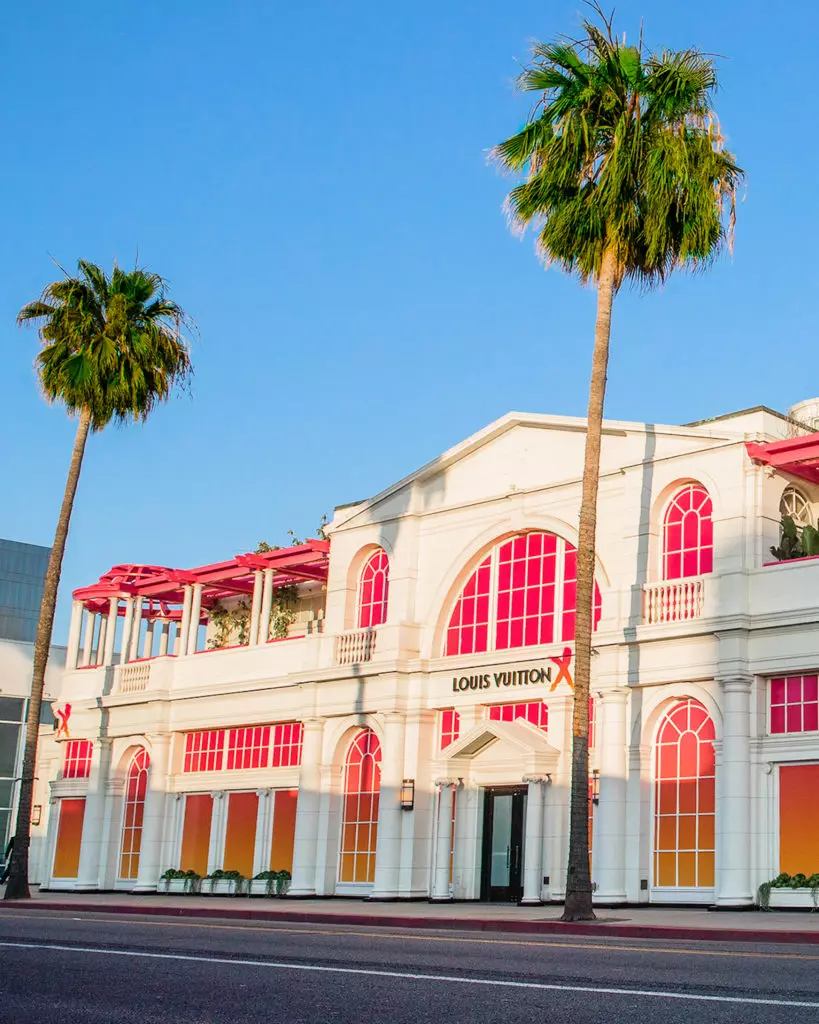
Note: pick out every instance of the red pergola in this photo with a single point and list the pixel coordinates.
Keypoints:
(798, 456)
(163, 587)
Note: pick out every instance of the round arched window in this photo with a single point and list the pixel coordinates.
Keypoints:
(794, 504)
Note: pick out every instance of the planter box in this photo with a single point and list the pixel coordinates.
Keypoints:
(219, 887)
(176, 885)
(258, 887)
(784, 899)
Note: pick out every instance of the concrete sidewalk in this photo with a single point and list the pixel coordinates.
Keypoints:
(686, 924)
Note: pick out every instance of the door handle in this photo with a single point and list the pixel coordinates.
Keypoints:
(517, 858)
(507, 857)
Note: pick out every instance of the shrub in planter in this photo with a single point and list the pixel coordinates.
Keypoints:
(180, 881)
(786, 890)
(224, 881)
(275, 882)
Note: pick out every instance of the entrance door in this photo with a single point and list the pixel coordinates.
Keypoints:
(503, 817)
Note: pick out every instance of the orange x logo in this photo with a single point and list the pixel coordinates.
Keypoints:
(563, 670)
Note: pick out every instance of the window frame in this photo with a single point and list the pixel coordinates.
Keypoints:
(663, 561)
(370, 606)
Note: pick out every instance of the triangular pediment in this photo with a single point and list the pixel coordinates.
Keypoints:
(517, 742)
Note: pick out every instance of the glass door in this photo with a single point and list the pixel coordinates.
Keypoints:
(503, 818)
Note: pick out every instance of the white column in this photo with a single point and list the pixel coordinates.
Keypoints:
(255, 606)
(557, 796)
(733, 820)
(196, 612)
(267, 606)
(111, 632)
(307, 811)
(181, 645)
(91, 859)
(88, 642)
(388, 845)
(443, 844)
(72, 656)
(100, 645)
(533, 856)
(609, 856)
(218, 828)
(164, 636)
(127, 626)
(136, 629)
(148, 644)
(264, 831)
(153, 817)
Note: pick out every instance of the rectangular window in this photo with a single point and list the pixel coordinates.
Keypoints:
(794, 704)
(287, 739)
(450, 726)
(249, 748)
(534, 711)
(77, 764)
(204, 751)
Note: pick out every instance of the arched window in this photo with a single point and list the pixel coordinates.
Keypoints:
(684, 798)
(135, 788)
(688, 534)
(794, 504)
(522, 594)
(359, 829)
(373, 590)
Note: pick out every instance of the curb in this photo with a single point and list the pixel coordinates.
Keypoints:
(597, 929)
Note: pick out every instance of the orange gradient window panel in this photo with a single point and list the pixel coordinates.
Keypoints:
(684, 798)
(135, 788)
(373, 590)
(77, 764)
(287, 740)
(284, 829)
(523, 593)
(248, 748)
(450, 727)
(69, 838)
(204, 751)
(359, 829)
(798, 827)
(240, 832)
(534, 711)
(196, 833)
(795, 704)
(688, 534)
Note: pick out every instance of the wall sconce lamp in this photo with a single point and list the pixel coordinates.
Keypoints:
(595, 787)
(36, 814)
(407, 794)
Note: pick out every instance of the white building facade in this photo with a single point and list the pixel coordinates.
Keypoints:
(387, 713)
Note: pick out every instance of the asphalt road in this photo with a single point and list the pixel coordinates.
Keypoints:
(83, 968)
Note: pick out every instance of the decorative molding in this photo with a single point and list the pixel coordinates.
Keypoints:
(442, 783)
(528, 779)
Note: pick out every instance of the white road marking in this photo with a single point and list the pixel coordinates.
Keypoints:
(411, 976)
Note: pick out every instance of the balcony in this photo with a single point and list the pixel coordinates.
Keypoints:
(355, 647)
(673, 600)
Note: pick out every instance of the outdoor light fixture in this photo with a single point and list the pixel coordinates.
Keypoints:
(407, 794)
(36, 811)
(595, 787)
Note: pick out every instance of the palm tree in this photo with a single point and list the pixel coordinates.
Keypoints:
(626, 178)
(112, 348)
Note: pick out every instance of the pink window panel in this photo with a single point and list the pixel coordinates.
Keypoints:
(688, 534)
(526, 591)
(795, 704)
(249, 747)
(77, 763)
(570, 596)
(468, 630)
(534, 711)
(373, 590)
(450, 726)
(204, 751)
(287, 741)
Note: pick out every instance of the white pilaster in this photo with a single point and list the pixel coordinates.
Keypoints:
(264, 831)
(88, 641)
(267, 606)
(307, 811)
(443, 842)
(136, 629)
(218, 828)
(164, 637)
(181, 645)
(255, 606)
(91, 860)
(111, 632)
(388, 845)
(533, 858)
(72, 655)
(127, 628)
(733, 819)
(557, 796)
(196, 612)
(639, 834)
(153, 818)
(609, 856)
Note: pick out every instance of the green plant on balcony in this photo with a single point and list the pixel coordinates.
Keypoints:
(227, 623)
(796, 541)
(283, 611)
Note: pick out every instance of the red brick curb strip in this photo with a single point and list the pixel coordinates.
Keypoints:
(597, 929)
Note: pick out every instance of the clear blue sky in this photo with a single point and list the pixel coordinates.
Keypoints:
(312, 180)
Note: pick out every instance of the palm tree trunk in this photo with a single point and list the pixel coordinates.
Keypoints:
(578, 905)
(17, 887)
